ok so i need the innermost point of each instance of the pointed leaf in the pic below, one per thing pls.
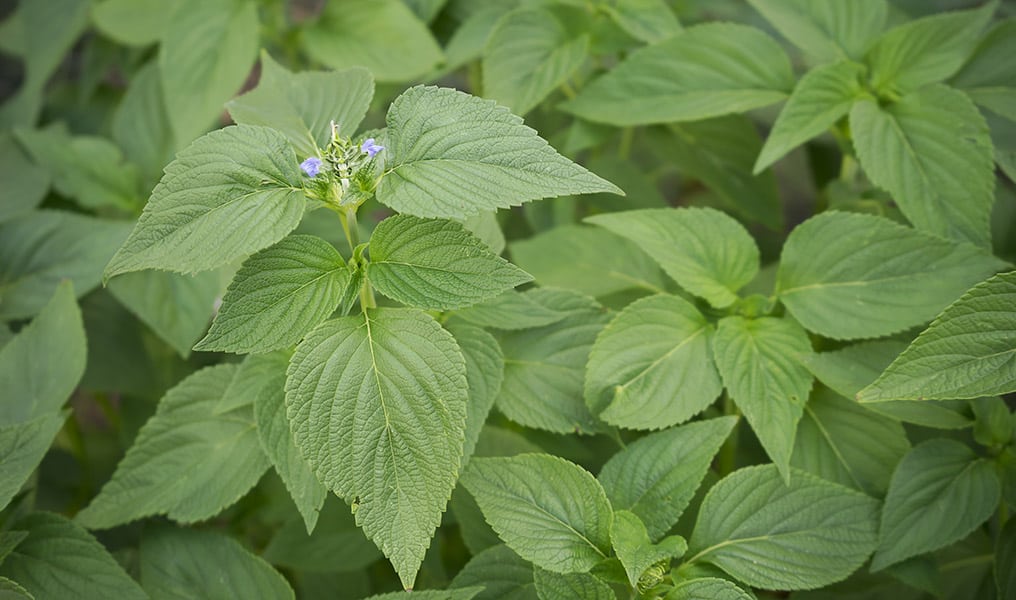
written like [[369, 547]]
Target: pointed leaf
[[988, 77], [650, 21], [510, 311], [133, 22], [336, 544], [22, 446], [827, 30], [255, 373], [634, 549], [140, 124]]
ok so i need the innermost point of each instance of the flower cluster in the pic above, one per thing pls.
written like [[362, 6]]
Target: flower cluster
[[342, 174]]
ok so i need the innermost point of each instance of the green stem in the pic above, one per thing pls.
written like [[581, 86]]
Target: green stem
[[624, 148], [568, 90], [727, 460], [352, 231]]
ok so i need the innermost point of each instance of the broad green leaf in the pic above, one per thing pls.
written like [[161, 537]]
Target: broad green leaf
[[548, 510], [22, 446], [278, 295], [940, 492], [849, 276], [187, 462], [566, 586], [254, 374], [382, 35], [59, 559], [140, 124], [426, 10], [761, 369], [827, 30], [650, 21], [133, 22], [504, 575], [25, 183], [989, 77], [469, 39], [822, 97], [453, 155], [460, 594], [336, 545], [377, 406], [484, 374], [10, 590], [835, 441], [43, 363], [656, 476], [651, 367], [230, 193], [484, 225], [437, 264], [707, 588], [1005, 560], [797, 536], [968, 351], [635, 550], [176, 307], [588, 260], [40, 249], [707, 252], [511, 310], [303, 105], [545, 366], [185, 563], [706, 71], [530, 53], [932, 152], [206, 54], [926, 50]]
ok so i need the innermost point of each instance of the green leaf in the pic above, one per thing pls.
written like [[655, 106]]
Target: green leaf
[[206, 54], [230, 193], [426, 10], [849, 276], [25, 183], [545, 366], [278, 295], [255, 373], [940, 492], [566, 586], [637, 553], [989, 78], [10, 590], [59, 558], [184, 563], [1005, 560], [530, 53], [706, 71], [133, 22], [187, 462], [140, 124], [460, 594], [926, 50], [511, 310], [588, 260], [484, 225], [649, 21], [383, 35], [548, 510], [22, 446], [504, 575], [437, 264], [484, 374], [772, 535], [827, 30], [967, 352], [453, 155], [336, 545], [377, 406], [834, 441], [656, 476], [43, 363], [40, 249], [303, 105], [651, 367], [707, 252], [469, 39], [821, 98], [932, 152], [759, 363], [707, 588]]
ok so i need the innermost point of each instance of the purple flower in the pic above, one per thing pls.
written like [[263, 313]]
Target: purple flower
[[311, 166], [370, 147]]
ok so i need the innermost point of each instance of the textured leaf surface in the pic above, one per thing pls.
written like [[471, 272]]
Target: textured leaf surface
[[503, 574], [768, 534], [707, 588], [650, 21], [827, 30], [635, 550], [932, 152], [706, 71], [511, 310], [760, 366], [187, 461], [548, 510], [484, 374], [452, 155], [565, 586], [336, 545], [968, 351], [652, 367], [230, 193], [279, 295], [377, 405], [22, 446], [849, 276], [939, 493]]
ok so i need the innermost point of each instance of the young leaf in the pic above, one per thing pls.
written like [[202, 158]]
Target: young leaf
[[336, 544], [377, 405], [566, 586], [634, 549], [22, 446], [187, 461], [932, 152], [649, 21], [453, 155], [303, 105], [849, 276], [758, 361], [940, 492], [435, 263], [651, 367], [768, 534], [989, 77], [820, 99], [707, 252], [230, 193], [503, 574], [484, 374], [706, 71], [967, 352], [59, 557], [510, 311], [707, 588], [827, 30], [548, 510], [656, 476], [278, 295]]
